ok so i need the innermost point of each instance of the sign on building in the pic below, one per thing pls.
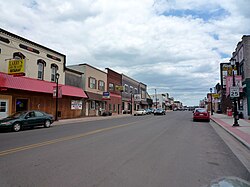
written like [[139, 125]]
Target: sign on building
[[106, 95], [119, 88], [137, 97], [16, 67], [76, 105]]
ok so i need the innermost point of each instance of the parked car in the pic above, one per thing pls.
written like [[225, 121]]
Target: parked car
[[20, 120], [159, 111], [201, 114], [148, 111], [140, 112]]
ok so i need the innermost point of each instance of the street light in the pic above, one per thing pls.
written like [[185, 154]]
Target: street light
[[155, 99], [57, 77], [131, 106], [236, 124], [211, 101]]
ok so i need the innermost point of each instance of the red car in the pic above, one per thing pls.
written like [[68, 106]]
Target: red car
[[201, 114]]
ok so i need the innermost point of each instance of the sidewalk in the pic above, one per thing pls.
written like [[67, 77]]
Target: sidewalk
[[241, 133], [85, 119]]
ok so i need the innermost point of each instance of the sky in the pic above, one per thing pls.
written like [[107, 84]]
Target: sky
[[173, 46]]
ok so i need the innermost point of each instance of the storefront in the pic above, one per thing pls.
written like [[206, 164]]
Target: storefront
[[23, 93]]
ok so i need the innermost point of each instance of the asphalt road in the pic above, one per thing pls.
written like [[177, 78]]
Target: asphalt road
[[135, 151]]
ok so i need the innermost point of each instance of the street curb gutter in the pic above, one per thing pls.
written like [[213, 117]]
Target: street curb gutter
[[235, 136]]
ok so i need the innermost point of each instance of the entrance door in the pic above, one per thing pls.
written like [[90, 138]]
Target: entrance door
[[4, 103], [21, 105]]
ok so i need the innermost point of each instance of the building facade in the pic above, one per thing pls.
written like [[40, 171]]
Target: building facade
[[28, 76], [94, 83], [114, 82]]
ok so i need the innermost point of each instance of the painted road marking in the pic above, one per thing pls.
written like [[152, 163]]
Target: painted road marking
[[32, 146]]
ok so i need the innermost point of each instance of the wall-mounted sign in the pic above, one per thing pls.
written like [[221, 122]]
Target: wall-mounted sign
[[229, 83], [137, 97], [119, 88], [106, 95], [16, 67], [76, 105]]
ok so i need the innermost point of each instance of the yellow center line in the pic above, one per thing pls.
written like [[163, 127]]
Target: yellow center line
[[22, 148]]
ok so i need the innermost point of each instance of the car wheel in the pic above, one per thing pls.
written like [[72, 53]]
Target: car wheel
[[47, 124], [16, 127]]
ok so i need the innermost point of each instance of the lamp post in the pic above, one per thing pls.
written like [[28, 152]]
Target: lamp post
[[155, 99], [57, 77], [236, 124], [131, 106], [211, 100]]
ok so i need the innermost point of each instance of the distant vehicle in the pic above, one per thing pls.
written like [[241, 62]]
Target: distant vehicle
[[140, 112], [148, 111], [201, 114], [159, 111], [20, 120]]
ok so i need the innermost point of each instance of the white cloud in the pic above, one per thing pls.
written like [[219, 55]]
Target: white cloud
[[136, 37]]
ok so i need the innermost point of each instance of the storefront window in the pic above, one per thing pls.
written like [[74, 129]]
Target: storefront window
[[92, 105]]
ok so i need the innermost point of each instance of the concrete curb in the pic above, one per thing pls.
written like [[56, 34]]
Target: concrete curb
[[87, 119], [235, 136]]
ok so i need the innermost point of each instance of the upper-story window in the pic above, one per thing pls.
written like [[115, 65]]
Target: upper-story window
[[18, 55], [126, 88], [111, 87], [92, 83], [131, 89], [54, 69], [41, 64], [135, 91], [101, 85]]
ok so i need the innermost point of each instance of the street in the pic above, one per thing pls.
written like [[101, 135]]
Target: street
[[133, 151]]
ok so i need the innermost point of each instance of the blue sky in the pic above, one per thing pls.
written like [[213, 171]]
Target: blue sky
[[174, 46]]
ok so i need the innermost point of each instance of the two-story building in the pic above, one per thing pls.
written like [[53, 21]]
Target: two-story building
[[28, 76], [94, 83]]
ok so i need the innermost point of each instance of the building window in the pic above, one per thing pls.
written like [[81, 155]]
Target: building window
[[126, 88], [101, 86], [41, 64], [3, 106], [111, 87], [92, 105], [18, 55], [131, 89], [92, 83], [114, 108], [54, 69], [110, 107], [135, 91]]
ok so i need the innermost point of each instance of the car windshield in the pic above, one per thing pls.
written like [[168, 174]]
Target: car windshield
[[201, 110], [16, 115]]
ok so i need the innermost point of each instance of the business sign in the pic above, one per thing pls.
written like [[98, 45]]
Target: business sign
[[76, 105], [229, 83], [16, 67], [234, 91], [59, 91], [106, 95], [137, 97], [119, 88], [216, 96]]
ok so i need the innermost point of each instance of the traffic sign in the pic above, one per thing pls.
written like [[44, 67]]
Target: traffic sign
[[234, 91]]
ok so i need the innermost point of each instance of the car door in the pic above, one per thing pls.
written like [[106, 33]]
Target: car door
[[30, 119], [40, 117]]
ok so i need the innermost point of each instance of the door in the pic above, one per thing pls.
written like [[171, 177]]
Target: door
[[4, 104]]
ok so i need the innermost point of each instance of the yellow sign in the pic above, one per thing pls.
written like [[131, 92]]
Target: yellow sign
[[216, 96], [16, 66], [119, 88]]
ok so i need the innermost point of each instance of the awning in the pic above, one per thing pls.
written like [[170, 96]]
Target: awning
[[94, 96], [115, 95], [144, 102], [34, 85]]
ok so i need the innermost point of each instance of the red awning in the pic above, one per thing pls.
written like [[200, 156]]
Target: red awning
[[115, 95], [29, 84]]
